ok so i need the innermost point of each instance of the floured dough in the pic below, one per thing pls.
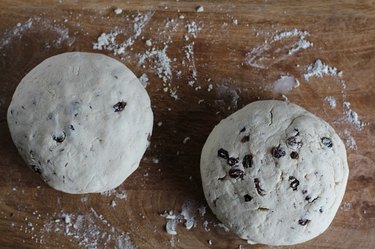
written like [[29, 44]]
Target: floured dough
[[82, 121], [274, 173]]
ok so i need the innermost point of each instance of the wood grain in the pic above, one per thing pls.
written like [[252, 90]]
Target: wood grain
[[343, 35]]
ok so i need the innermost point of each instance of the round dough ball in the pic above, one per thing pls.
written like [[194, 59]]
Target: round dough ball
[[82, 121], [274, 173]]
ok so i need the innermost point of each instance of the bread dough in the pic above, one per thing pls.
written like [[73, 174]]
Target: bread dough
[[274, 173], [82, 121]]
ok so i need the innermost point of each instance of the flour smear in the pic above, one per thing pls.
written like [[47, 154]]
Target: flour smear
[[280, 46], [60, 33], [86, 230], [319, 69]]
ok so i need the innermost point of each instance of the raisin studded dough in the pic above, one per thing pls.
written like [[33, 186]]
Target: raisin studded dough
[[82, 121], [274, 173]]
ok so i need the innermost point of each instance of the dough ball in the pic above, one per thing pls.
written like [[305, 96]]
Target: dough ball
[[274, 173], [82, 121]]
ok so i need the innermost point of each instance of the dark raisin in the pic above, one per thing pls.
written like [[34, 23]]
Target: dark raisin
[[115, 77], [321, 210], [36, 169], [236, 173], [120, 106], [245, 139], [327, 142], [247, 161], [294, 155], [278, 152], [292, 142], [60, 138], [303, 222], [223, 153], [307, 198], [243, 129], [294, 184], [257, 186], [247, 198], [72, 127], [232, 161]]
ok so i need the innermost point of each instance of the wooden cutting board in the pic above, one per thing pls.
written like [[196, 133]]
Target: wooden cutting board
[[221, 40]]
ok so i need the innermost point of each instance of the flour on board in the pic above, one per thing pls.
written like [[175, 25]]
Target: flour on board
[[193, 29], [319, 69], [109, 41], [120, 194], [186, 216], [15, 32], [59, 34], [86, 230], [352, 117], [285, 84], [302, 43], [331, 101], [350, 141], [278, 47], [162, 63]]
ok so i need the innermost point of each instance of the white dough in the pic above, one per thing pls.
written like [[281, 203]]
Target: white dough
[[267, 196], [82, 121]]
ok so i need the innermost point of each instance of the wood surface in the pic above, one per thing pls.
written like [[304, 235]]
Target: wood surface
[[343, 34]]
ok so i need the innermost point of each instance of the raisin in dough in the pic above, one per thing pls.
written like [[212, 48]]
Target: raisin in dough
[[274, 173], [82, 121]]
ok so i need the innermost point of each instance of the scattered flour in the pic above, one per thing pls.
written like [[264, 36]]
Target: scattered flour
[[170, 227], [302, 43], [162, 63], [85, 230], [350, 141], [38, 24], [189, 53], [120, 194], [186, 216], [117, 11], [291, 33], [200, 9], [15, 32], [331, 101], [352, 117], [273, 49], [148, 43], [188, 212], [319, 69], [108, 41], [193, 29], [346, 206], [285, 84]]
